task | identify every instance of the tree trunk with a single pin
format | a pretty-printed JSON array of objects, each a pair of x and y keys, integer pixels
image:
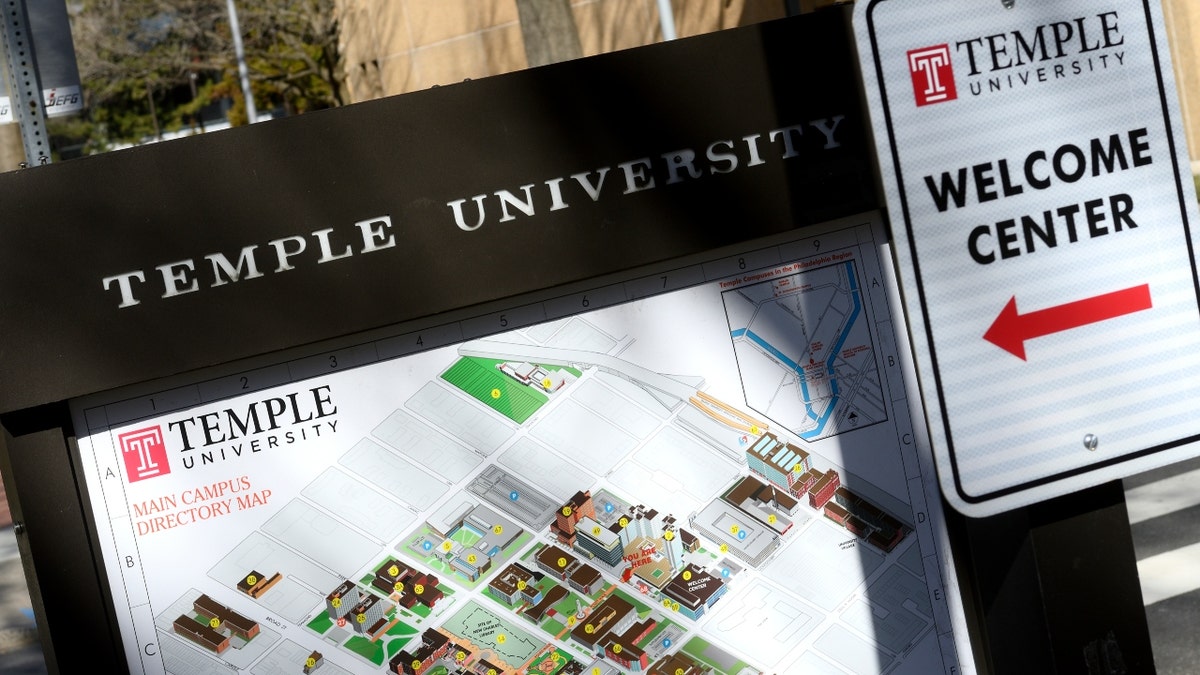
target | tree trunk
[{"x": 548, "y": 29}]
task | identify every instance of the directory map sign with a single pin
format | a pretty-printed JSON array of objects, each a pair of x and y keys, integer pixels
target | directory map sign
[
  {"x": 705, "y": 468},
  {"x": 1045, "y": 223}
]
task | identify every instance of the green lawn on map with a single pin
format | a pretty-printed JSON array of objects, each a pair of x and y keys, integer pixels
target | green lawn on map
[
  {"x": 394, "y": 645},
  {"x": 465, "y": 536},
  {"x": 320, "y": 623},
  {"x": 371, "y": 651}
]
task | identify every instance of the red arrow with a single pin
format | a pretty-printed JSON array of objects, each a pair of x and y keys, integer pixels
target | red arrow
[{"x": 1010, "y": 330}]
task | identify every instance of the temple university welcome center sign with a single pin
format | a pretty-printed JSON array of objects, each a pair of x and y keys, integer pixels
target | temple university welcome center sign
[{"x": 1045, "y": 228}]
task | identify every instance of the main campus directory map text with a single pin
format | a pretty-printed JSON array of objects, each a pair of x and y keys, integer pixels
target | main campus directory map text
[{"x": 706, "y": 470}]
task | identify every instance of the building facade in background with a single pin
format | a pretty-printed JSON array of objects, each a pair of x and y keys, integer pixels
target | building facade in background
[
  {"x": 1182, "y": 18},
  {"x": 397, "y": 46}
]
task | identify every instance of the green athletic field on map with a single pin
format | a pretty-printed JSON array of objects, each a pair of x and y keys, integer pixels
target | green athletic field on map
[{"x": 484, "y": 381}]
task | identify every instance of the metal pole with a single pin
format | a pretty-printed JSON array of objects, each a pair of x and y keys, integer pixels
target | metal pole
[
  {"x": 243, "y": 73},
  {"x": 27, "y": 103},
  {"x": 666, "y": 17}
]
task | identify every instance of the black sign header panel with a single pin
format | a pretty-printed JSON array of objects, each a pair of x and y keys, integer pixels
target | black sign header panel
[{"x": 158, "y": 260}]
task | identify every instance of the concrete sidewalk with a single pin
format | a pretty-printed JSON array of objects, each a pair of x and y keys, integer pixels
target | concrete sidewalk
[{"x": 20, "y": 651}]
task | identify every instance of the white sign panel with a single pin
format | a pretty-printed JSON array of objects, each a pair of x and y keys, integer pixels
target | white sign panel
[
  {"x": 59, "y": 101},
  {"x": 1045, "y": 228}
]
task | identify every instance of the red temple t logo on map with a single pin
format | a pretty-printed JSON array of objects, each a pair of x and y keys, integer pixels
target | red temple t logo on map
[
  {"x": 145, "y": 454},
  {"x": 932, "y": 76}
]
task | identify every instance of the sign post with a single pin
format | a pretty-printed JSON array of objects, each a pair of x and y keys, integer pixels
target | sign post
[
  {"x": 1046, "y": 233},
  {"x": 23, "y": 103}
]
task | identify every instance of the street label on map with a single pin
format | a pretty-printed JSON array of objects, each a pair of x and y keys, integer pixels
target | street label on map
[
  {"x": 1045, "y": 224},
  {"x": 719, "y": 477}
]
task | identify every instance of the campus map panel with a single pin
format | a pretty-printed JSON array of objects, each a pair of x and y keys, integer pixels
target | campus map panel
[{"x": 716, "y": 477}]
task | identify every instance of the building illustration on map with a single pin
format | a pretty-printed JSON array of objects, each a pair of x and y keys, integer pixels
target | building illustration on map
[
  {"x": 213, "y": 626},
  {"x": 587, "y": 496}
]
